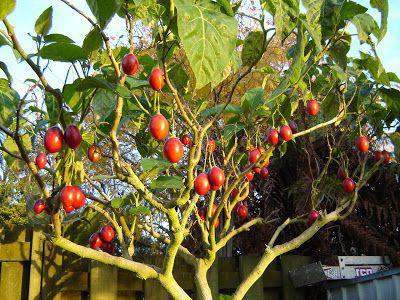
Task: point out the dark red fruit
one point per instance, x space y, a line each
130 64
312 107
53 139
159 127
202 184
156 79
273 136
39 206
264 173
68 209
107 233
234 193
72 136
362 144
186 140
341 174
211 145
214 208
250 176
68 195
216 177
313 216
254 155
173 150
285 132
293 126
41 160
348 185
242 211
257 170
108 248
203 214
80 198
378 155
249 150
387 155
94 153
95 241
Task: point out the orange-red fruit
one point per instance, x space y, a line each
72 197
80 198
387 155
313 216
285 132
41 160
156 79
159 127
130 64
94 153
95 241
312 107
68 209
211 145
250 176
273 136
203 213
254 155
186 140
53 139
39 206
72 136
242 211
341 174
264 173
107 233
216 177
261 149
173 150
202 184
348 185
362 144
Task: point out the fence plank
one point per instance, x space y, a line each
213 279
291 262
152 289
17 251
52 271
246 265
11 281
35 273
103 281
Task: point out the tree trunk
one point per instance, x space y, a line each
173 288
203 291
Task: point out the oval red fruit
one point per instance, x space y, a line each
202 184
130 64
80 198
68 209
95 241
378 155
53 139
341 174
94 153
159 127
67 196
41 160
264 173
211 145
39 206
156 79
312 107
348 185
293 126
108 248
234 193
72 136
254 155
387 155
362 144
273 136
186 140
173 150
203 213
285 132
313 216
250 176
242 211
107 233
216 177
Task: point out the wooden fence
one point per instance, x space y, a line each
32 269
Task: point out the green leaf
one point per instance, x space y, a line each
365 25
134 83
104 10
231 129
208 37
103 103
375 68
285 14
252 48
139 210
43 23
229 109
92 42
118 202
339 51
6 7
150 163
8 102
332 20
12 147
4 68
313 16
393 77
226 5
57 38
63 52
167 182
252 99
383 7
351 9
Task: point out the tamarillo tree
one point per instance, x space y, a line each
149 139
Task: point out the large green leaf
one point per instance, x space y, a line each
374 66
339 51
252 48
152 168
383 7
285 14
92 42
8 102
208 37
4 68
365 25
6 7
98 82
12 147
167 182
226 5
313 16
103 103
63 52
351 9
331 19
43 23
57 38
252 99
229 109
104 10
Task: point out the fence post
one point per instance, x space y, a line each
103 281
153 290
36 264
246 265
52 271
288 263
212 278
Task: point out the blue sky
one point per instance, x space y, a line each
68 22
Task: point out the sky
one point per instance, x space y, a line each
68 22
